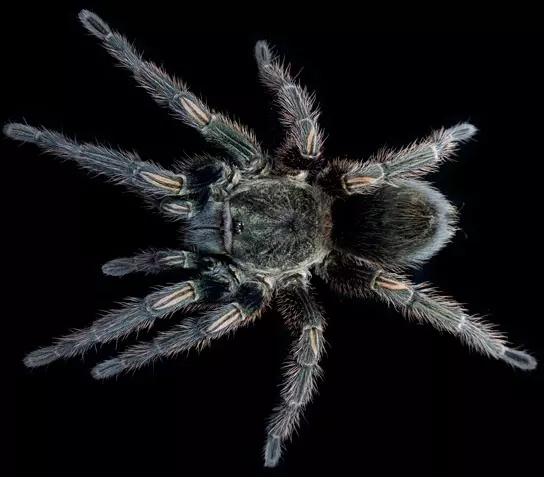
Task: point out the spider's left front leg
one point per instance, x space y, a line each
180 195
303 147
305 318
170 191
355 278
172 93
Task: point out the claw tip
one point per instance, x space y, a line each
463 131
118 267
94 24
272 452
21 132
41 357
263 52
519 359
107 369
7 129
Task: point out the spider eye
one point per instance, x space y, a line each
237 227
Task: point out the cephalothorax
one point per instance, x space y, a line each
256 225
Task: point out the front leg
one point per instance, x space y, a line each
173 192
173 94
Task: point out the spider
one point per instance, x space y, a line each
255 226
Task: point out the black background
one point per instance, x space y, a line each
397 397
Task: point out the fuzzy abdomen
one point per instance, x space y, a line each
403 225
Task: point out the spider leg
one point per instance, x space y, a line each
173 93
302 368
423 303
138 314
355 177
150 261
299 112
192 332
166 189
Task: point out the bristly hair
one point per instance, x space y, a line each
257 226
395 227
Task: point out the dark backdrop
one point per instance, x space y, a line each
396 397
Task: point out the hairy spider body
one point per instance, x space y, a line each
255 226
395 226
282 225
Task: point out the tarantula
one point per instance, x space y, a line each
254 227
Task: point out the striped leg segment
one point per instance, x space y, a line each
170 192
193 332
172 93
424 304
151 261
302 367
135 315
416 160
299 112
146 178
